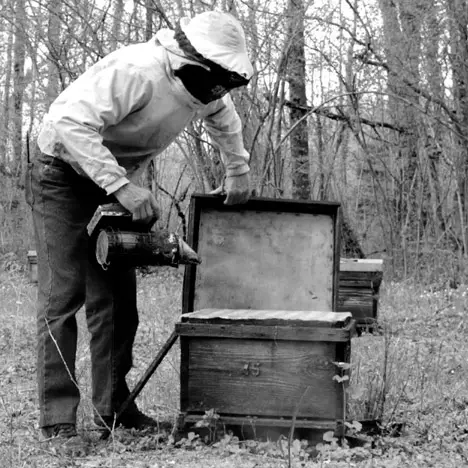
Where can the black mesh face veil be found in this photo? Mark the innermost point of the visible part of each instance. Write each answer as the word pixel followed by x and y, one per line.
pixel 205 84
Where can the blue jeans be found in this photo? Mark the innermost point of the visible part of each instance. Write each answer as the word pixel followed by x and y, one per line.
pixel 63 203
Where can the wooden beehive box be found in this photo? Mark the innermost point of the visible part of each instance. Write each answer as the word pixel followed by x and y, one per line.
pixel 259 337
pixel 359 285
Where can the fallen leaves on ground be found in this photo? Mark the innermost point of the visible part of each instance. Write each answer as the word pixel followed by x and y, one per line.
pixel 427 396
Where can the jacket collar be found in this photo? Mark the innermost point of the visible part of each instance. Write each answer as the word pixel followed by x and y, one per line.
pixel 174 58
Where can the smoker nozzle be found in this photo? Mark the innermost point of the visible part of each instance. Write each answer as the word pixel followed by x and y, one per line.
pixel 187 256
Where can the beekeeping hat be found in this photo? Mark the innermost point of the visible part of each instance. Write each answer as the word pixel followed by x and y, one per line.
pixel 219 37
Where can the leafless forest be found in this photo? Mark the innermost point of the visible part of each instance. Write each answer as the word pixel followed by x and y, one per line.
pixel 364 102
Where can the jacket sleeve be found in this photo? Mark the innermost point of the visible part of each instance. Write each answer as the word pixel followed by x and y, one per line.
pixel 225 127
pixel 92 104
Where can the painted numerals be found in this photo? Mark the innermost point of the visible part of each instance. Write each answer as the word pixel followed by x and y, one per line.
pixel 251 369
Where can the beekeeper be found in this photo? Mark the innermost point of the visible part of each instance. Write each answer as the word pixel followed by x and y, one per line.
pixel 97 138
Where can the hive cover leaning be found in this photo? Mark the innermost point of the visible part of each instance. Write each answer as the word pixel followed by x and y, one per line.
pixel 266 254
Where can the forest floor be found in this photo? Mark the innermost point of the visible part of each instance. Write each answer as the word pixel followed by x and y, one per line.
pixel 412 376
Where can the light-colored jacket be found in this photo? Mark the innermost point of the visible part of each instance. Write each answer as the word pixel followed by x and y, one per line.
pixel 126 109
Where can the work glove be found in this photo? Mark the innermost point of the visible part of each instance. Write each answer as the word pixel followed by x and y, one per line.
pixel 139 201
pixel 236 189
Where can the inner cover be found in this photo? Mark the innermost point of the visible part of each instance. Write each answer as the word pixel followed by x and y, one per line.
pixel 265 260
pixel 270 317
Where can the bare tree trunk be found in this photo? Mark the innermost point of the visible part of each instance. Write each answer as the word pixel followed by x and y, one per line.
pixel 135 21
pixel 4 136
pixel 272 117
pixel 348 86
pixel 458 15
pixel 434 137
pixel 117 24
pixel 54 45
pixel 402 21
pixel 19 54
pixel 297 93
pixel 33 98
pixel 278 167
pixel 149 175
pixel 149 20
pixel 322 191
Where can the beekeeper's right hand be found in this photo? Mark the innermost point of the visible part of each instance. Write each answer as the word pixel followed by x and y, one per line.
pixel 139 201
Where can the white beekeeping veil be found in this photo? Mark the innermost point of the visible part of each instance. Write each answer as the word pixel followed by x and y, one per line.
pixel 219 37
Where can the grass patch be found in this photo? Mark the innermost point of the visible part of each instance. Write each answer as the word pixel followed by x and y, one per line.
pixel 412 377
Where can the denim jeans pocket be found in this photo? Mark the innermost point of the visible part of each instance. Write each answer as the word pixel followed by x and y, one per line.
pixel 28 184
pixel 52 172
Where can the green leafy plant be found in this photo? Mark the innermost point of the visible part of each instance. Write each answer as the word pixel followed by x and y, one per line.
pixel 209 421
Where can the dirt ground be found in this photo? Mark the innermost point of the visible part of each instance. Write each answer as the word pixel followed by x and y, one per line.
pixel 412 377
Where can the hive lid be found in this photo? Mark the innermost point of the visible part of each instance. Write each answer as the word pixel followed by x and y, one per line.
pixel 361 264
pixel 270 317
pixel 267 254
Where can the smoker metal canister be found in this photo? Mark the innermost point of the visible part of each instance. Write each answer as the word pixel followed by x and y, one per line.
pixel 160 248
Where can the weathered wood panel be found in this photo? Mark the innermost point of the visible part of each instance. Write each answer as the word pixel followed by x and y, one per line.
pixel 365 265
pixel 255 422
pixel 268 253
pixel 265 260
pixel 269 317
pixel 359 285
pixel 276 333
pixel 361 303
pixel 263 378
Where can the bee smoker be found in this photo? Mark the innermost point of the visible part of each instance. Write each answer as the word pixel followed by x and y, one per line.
pixel 120 240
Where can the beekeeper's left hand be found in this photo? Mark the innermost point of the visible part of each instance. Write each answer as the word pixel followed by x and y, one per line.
pixel 236 189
